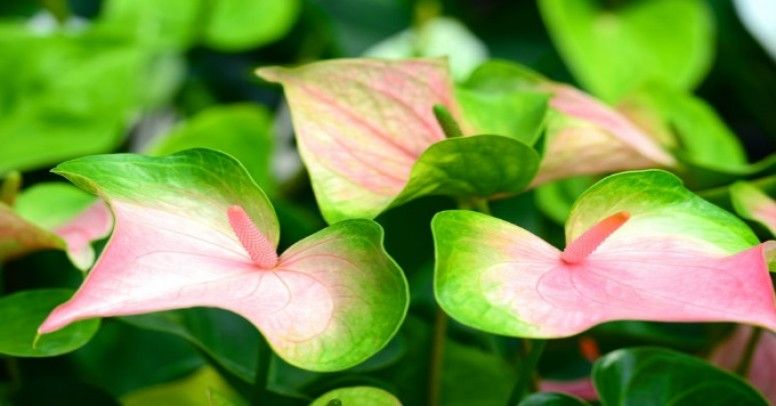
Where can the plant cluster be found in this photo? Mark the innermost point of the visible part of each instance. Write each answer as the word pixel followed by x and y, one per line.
pixel 462 230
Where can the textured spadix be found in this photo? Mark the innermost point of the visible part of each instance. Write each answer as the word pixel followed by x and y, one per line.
pixel 674 257
pixel 193 229
pixel 53 216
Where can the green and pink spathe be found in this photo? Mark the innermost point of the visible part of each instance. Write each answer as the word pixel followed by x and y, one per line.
pixel 368 135
pixel 193 229
pixel 639 247
pixel 53 216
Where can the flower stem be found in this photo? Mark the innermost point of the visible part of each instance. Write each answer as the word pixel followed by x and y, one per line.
pixel 437 358
pixel 746 358
pixel 526 377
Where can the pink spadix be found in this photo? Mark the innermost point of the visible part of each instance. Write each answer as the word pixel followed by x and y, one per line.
pixel 583 246
pixel 257 245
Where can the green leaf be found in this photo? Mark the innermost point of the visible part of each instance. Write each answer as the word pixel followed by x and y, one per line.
pixel 194 390
pixel 518 114
pixel 23 312
pixel 654 376
pixel 612 50
pixel 243 131
pixel 472 376
pixel 551 399
pixel 226 338
pixel 688 125
pixel 166 25
pixel 67 95
pixel 237 25
pixel 555 199
pixel 356 395
pixel 479 166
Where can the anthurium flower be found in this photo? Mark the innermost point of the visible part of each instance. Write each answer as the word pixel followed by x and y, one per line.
pixel 583 135
pixel 639 246
pixel 368 135
pixel 193 229
pixel 53 216
pixel 752 203
pixel 761 372
pixel 367 132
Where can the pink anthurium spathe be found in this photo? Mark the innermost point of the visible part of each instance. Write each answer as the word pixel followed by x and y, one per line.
pixel 587 137
pixel 193 229
pixel 54 216
pixel 761 371
pixel 639 247
pixel 364 126
pixel 752 203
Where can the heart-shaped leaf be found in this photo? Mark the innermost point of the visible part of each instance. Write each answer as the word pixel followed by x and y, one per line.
pixel 22 312
pixel 192 390
pixel 328 302
pixel 611 50
pixel 357 395
pixel 653 376
pixel 639 246
pixel 477 166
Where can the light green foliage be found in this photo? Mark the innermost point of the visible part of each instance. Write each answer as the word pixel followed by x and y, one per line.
pixel 612 49
pixel 23 312
pixel 477 166
pixel 243 131
pixel 441 36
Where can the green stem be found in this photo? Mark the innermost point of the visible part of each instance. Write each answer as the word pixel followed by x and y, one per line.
pixel 746 358
pixel 260 392
pixel 437 358
pixel 527 378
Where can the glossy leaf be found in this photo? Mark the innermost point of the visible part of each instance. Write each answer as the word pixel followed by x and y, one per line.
pixel 551 399
pixel 639 246
pixel 472 376
pixel 613 49
pixel 753 204
pixel 653 376
pixel 327 303
pixel 477 166
pixel 226 338
pixel 243 131
pixel 520 115
pixel 22 312
pixel 236 25
pixel 357 395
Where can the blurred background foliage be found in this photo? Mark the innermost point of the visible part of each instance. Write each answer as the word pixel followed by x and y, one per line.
pixel 82 77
